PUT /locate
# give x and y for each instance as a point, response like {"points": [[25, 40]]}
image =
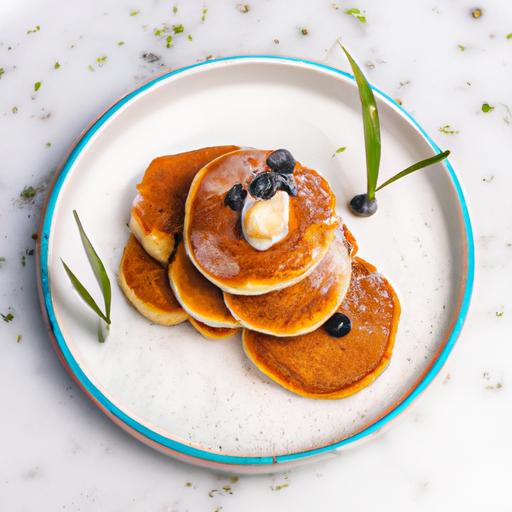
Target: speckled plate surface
{"points": [[203, 401]]}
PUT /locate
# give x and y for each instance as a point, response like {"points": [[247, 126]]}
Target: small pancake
{"points": [[214, 239], [145, 284], [159, 207], [201, 299], [212, 333], [317, 365], [302, 307]]}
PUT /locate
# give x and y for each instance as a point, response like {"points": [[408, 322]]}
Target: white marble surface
{"points": [[452, 451]]}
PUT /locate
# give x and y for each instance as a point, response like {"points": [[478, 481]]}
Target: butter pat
{"points": [[264, 223]]}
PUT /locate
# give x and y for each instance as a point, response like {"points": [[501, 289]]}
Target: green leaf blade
{"points": [[371, 126], [415, 167], [84, 294], [97, 267]]}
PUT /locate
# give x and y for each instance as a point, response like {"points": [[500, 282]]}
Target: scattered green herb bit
{"points": [[14, 109], [37, 28], [476, 13], [280, 487], [189, 37], [339, 150], [29, 252], [487, 108], [2, 71], [23, 260], [2, 260], [415, 167], [212, 492], [357, 14], [120, 43], [461, 47], [168, 41], [447, 130], [188, 484], [499, 314], [37, 86], [304, 31], [178, 29], [9, 317], [227, 488], [28, 193], [174, 9], [371, 126], [90, 68], [48, 144], [19, 338], [56, 65], [134, 12], [204, 12], [244, 8], [101, 60], [160, 32], [509, 36], [234, 479]]}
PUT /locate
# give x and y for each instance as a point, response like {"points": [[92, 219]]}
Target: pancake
{"points": [[212, 333], [213, 236], [159, 207], [317, 365], [201, 299], [145, 284], [302, 307]]}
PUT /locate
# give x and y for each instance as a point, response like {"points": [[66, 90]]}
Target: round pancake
{"points": [[159, 207], [317, 365], [212, 333], [213, 236], [145, 284], [201, 299], [302, 307]]}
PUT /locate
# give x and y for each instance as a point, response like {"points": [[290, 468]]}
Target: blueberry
{"points": [[338, 325], [264, 186], [281, 161], [362, 206], [235, 197], [285, 182]]}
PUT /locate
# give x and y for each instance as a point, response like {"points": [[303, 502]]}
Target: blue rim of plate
{"points": [[196, 452]]}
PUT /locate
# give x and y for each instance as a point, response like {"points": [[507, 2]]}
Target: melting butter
{"points": [[264, 223]]}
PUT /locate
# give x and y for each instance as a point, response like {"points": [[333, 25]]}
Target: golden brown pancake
{"points": [[317, 365], [214, 240], [201, 299], [350, 241], [302, 307], [159, 208], [145, 284], [212, 333]]}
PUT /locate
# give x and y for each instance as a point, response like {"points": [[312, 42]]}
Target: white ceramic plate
{"points": [[203, 401]]}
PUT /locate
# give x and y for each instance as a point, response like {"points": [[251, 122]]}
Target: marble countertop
{"points": [[452, 451]]}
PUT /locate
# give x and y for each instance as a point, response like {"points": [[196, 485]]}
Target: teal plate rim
{"points": [[176, 447]]}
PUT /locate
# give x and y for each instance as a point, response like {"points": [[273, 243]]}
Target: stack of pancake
{"points": [[188, 259]]}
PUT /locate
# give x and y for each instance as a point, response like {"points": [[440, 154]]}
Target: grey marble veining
{"points": [[452, 451]]}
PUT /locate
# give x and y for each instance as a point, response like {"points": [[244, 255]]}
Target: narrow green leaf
{"points": [[416, 167], [341, 149], [84, 294], [371, 126], [97, 267]]}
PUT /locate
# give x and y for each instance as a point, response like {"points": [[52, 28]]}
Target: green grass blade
{"points": [[371, 126], [84, 294], [416, 167], [97, 267]]}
